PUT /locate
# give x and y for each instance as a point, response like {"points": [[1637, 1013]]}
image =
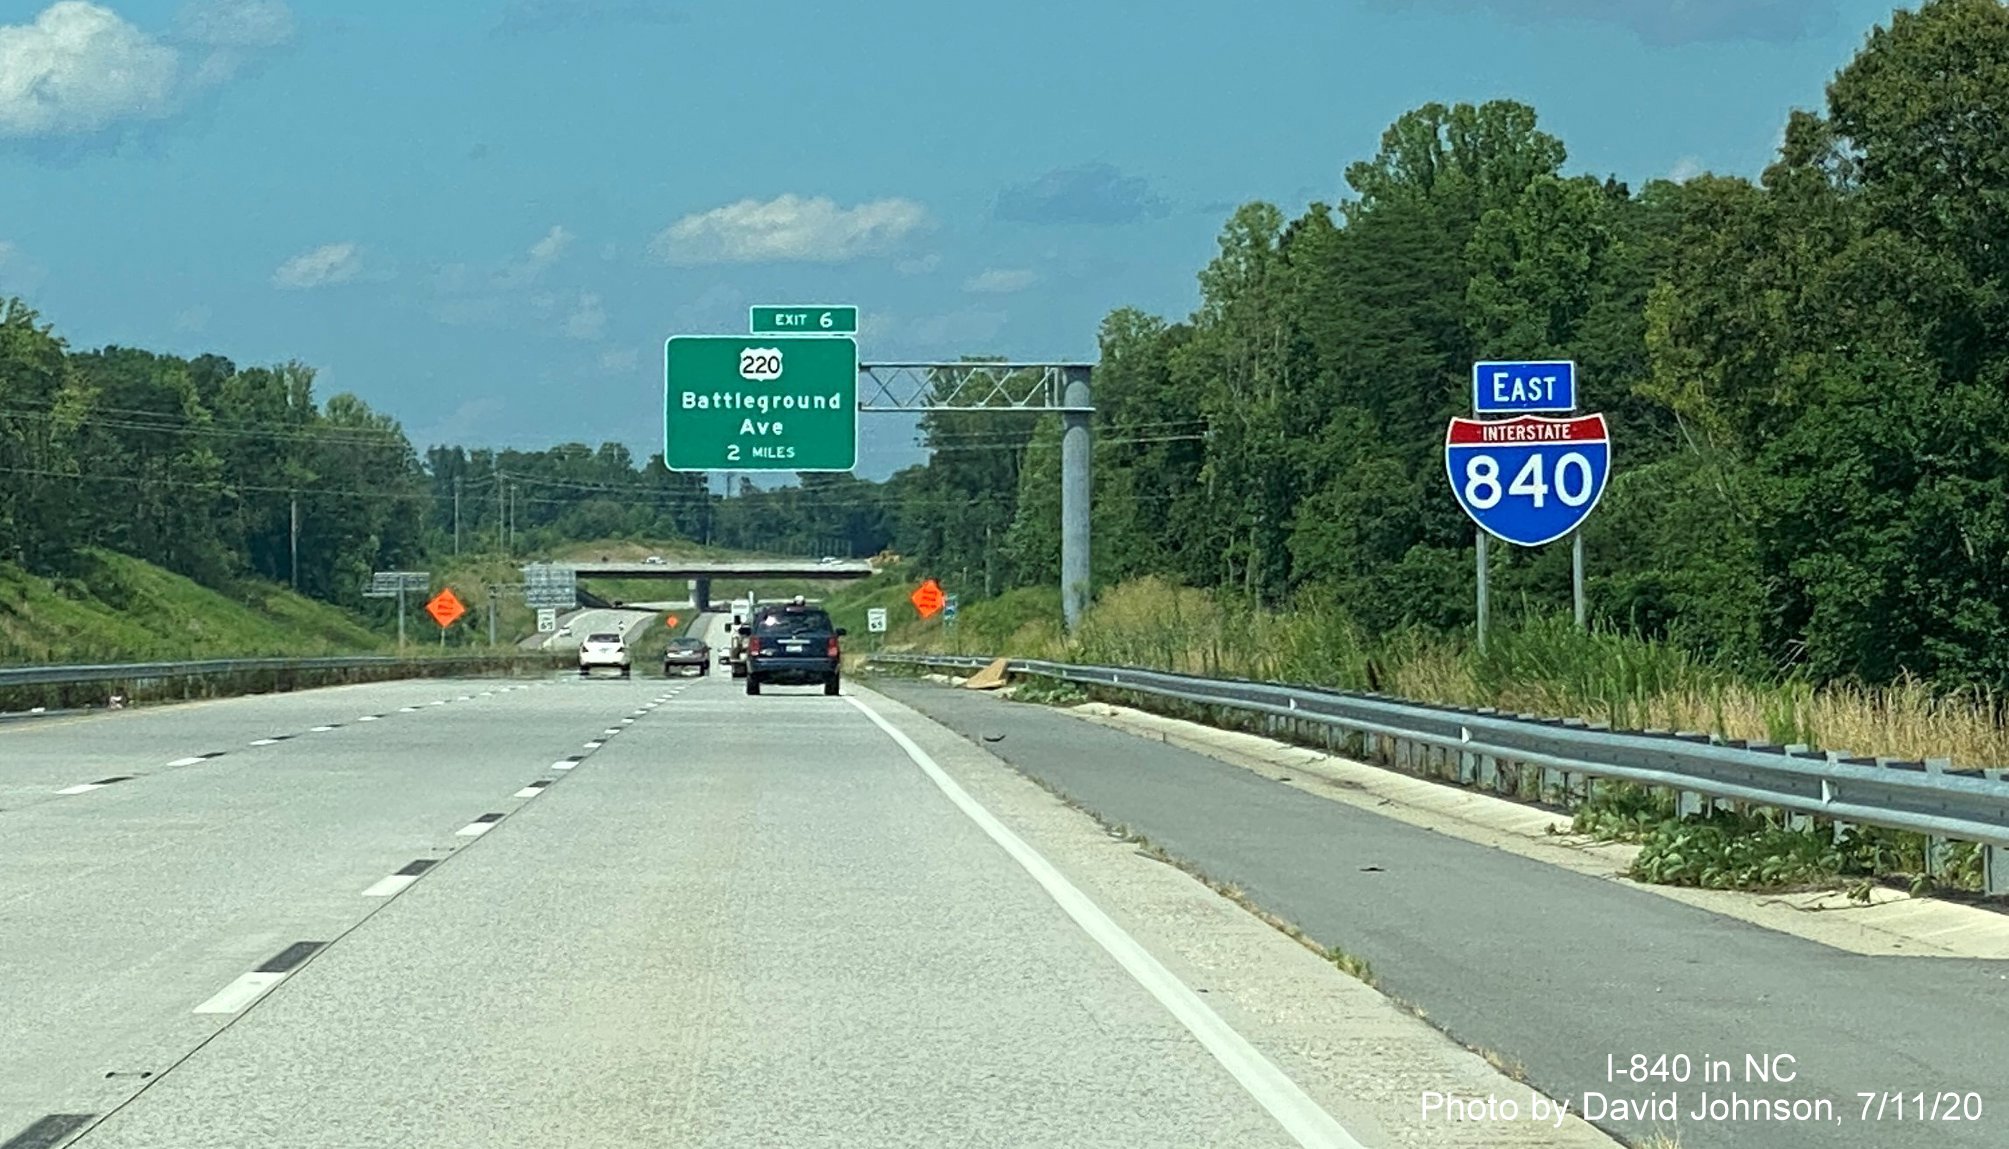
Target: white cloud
{"points": [[588, 320], [788, 228], [619, 362], [547, 250], [921, 266], [80, 68], [324, 266], [1685, 169], [543, 254], [1000, 281]]}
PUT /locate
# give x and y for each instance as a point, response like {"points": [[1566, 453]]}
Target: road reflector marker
{"points": [[479, 826], [251, 986], [48, 1131]]}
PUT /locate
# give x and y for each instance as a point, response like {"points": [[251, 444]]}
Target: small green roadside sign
{"points": [[809, 319], [760, 403]]}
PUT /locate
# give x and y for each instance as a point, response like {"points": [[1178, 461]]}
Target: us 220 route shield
{"points": [[1528, 481]]}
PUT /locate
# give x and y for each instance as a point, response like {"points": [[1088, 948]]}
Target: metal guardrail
{"points": [[1928, 797], [136, 671]]}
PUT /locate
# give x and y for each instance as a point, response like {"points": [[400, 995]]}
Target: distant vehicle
{"points": [[793, 645], [735, 655], [825, 561], [654, 560], [603, 650], [687, 656]]}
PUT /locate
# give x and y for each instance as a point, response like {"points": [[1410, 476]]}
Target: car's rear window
{"points": [[793, 622], [604, 638]]}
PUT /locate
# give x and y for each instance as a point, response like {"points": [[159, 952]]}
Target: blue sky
{"points": [[485, 216]]}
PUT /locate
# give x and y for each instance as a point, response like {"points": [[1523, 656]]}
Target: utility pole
{"points": [[293, 566], [501, 539], [456, 514]]}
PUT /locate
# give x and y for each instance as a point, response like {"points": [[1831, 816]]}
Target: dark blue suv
{"points": [[792, 645]]}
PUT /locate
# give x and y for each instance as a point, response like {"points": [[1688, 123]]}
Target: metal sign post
{"points": [[1558, 467], [394, 584]]}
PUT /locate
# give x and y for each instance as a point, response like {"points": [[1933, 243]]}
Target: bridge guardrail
{"points": [[1481, 746]]}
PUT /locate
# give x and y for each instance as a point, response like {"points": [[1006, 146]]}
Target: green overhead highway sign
{"points": [[760, 403], [803, 320]]}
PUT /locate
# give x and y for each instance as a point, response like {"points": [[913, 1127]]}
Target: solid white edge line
{"points": [[240, 993], [1307, 1123], [81, 788], [530, 792], [474, 829], [391, 885]]}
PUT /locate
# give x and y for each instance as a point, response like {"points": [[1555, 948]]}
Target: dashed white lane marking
{"points": [[530, 792], [474, 829], [627, 721], [186, 761], [464, 698], [565, 765], [82, 788], [611, 730], [439, 702], [265, 742], [240, 993], [391, 885], [319, 729], [408, 710], [367, 718], [1307, 1123], [594, 745]]}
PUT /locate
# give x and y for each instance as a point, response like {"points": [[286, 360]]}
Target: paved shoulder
{"points": [[1564, 974]]}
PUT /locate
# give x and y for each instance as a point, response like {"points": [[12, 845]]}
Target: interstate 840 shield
{"points": [[1528, 481]]}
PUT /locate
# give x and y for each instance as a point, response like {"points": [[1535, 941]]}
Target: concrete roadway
{"points": [[628, 623], [1551, 969], [555, 913]]}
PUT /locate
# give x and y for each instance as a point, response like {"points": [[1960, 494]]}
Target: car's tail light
{"points": [[753, 646], [831, 650]]}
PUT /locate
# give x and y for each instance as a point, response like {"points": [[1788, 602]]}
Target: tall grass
{"points": [[1536, 665]]}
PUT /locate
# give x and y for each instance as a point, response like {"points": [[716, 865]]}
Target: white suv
{"points": [[603, 650]]}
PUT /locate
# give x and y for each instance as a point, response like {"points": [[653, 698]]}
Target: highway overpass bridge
{"points": [[700, 573]]}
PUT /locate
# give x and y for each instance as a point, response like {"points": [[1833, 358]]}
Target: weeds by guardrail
{"points": [[1707, 782]]}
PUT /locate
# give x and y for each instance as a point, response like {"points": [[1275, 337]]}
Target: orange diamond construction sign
{"points": [[445, 608], [927, 598]]}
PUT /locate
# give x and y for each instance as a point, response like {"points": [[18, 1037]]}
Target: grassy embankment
{"points": [[121, 609], [1541, 666]]}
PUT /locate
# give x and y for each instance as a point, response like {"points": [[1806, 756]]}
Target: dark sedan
{"points": [[687, 656]]}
